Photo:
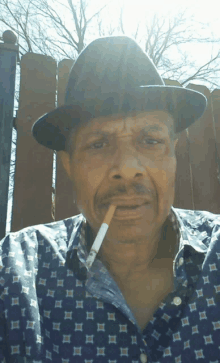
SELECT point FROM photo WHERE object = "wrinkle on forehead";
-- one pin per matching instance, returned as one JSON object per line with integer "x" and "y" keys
{"x": 148, "y": 127}
{"x": 151, "y": 121}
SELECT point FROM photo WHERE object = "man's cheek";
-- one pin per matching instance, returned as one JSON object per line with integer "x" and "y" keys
{"x": 94, "y": 176}
{"x": 87, "y": 187}
{"x": 168, "y": 169}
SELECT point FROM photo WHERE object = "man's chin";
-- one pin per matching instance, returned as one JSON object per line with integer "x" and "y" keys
{"x": 129, "y": 236}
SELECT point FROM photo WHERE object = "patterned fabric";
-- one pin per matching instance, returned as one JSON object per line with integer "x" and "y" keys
{"x": 53, "y": 310}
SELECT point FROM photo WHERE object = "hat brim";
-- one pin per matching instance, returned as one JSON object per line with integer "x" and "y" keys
{"x": 185, "y": 105}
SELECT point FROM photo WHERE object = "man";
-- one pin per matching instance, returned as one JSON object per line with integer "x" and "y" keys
{"x": 152, "y": 293}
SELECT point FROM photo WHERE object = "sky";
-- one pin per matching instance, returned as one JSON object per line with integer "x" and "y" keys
{"x": 140, "y": 8}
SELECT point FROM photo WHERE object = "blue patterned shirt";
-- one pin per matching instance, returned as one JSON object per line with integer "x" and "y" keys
{"x": 53, "y": 310}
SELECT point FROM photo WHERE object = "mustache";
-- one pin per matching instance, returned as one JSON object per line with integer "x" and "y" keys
{"x": 125, "y": 190}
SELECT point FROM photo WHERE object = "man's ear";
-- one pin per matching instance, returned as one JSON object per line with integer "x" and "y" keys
{"x": 65, "y": 159}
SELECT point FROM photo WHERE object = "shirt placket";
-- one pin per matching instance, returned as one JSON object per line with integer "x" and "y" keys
{"x": 100, "y": 284}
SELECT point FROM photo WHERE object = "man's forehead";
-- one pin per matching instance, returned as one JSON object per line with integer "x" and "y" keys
{"x": 152, "y": 121}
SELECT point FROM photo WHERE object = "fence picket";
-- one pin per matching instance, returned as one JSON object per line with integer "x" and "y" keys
{"x": 65, "y": 196}
{"x": 33, "y": 175}
{"x": 202, "y": 153}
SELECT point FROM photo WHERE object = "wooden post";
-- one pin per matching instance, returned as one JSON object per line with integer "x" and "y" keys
{"x": 206, "y": 187}
{"x": 183, "y": 186}
{"x": 65, "y": 197}
{"x": 8, "y": 60}
{"x": 33, "y": 176}
{"x": 215, "y": 100}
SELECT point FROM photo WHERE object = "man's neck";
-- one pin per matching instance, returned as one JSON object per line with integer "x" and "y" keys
{"x": 129, "y": 262}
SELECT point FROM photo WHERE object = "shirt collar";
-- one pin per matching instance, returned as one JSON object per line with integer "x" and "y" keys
{"x": 189, "y": 229}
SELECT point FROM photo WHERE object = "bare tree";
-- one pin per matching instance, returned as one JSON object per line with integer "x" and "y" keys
{"x": 41, "y": 27}
{"x": 167, "y": 43}
{"x": 171, "y": 41}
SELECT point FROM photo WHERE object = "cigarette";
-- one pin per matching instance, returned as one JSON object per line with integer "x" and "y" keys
{"x": 100, "y": 236}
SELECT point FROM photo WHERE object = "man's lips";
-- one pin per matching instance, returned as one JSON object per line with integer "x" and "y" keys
{"x": 126, "y": 203}
{"x": 129, "y": 208}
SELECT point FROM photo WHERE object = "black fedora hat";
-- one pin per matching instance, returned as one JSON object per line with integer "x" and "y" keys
{"x": 113, "y": 75}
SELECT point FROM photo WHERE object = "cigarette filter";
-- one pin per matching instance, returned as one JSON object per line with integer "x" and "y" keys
{"x": 100, "y": 236}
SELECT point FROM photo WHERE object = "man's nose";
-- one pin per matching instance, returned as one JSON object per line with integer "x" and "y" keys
{"x": 127, "y": 165}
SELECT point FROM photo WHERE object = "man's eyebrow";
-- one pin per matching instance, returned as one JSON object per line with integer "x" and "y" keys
{"x": 154, "y": 127}
{"x": 97, "y": 133}
{"x": 147, "y": 128}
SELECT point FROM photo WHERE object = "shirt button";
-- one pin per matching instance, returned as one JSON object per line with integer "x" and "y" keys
{"x": 177, "y": 300}
{"x": 181, "y": 261}
{"x": 143, "y": 358}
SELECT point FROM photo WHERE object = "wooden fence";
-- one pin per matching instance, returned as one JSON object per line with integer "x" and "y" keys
{"x": 43, "y": 83}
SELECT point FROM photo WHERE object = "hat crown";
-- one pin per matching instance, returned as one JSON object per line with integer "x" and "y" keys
{"x": 114, "y": 75}
{"x": 110, "y": 65}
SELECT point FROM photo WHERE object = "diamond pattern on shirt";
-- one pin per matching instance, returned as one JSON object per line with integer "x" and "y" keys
{"x": 54, "y": 315}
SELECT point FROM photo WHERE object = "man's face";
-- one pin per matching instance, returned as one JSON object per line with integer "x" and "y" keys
{"x": 128, "y": 161}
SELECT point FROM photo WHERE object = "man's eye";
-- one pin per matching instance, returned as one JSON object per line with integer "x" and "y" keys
{"x": 148, "y": 141}
{"x": 98, "y": 145}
